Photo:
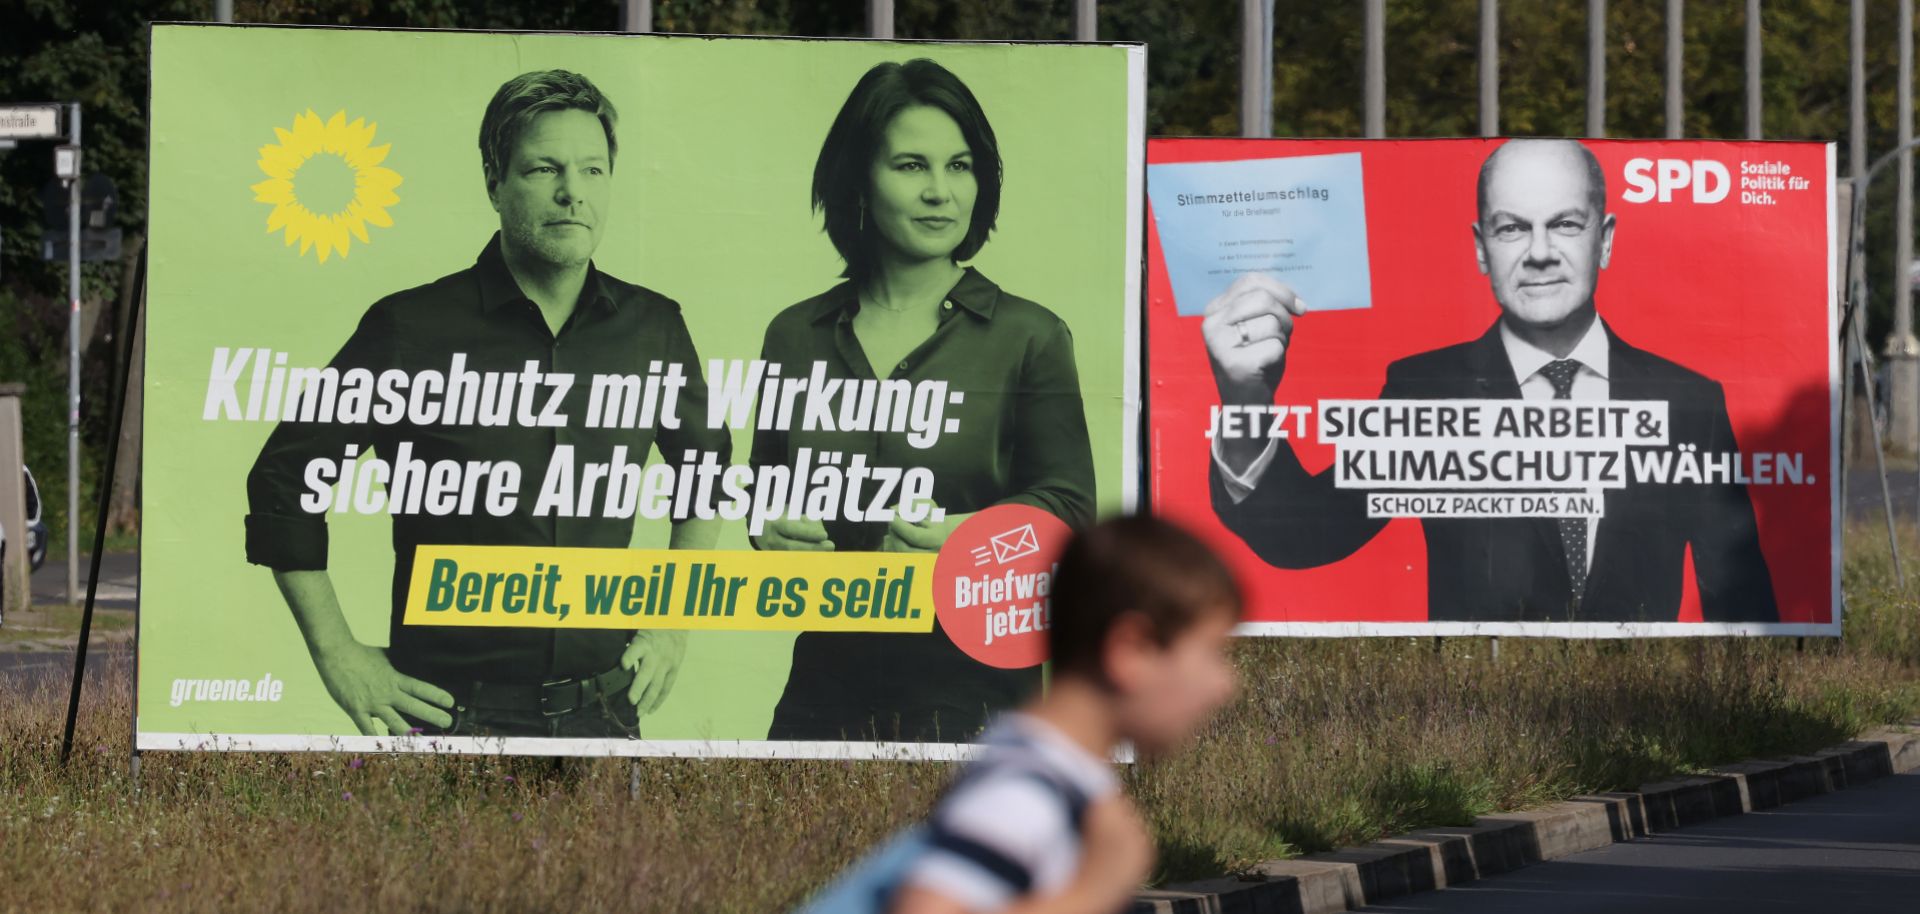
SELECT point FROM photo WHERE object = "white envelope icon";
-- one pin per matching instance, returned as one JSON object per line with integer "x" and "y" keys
{"x": 1013, "y": 544}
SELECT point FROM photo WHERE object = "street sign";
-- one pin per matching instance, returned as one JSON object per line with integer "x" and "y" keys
{"x": 29, "y": 122}
{"x": 66, "y": 162}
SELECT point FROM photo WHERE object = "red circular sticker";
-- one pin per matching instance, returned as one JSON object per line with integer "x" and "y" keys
{"x": 993, "y": 584}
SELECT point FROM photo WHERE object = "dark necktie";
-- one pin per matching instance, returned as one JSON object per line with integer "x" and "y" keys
{"x": 1573, "y": 530}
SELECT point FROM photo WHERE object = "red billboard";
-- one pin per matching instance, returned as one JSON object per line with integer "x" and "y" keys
{"x": 1502, "y": 387}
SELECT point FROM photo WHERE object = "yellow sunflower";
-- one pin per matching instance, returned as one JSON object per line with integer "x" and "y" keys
{"x": 326, "y": 183}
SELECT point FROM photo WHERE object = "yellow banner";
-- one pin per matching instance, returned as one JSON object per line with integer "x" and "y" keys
{"x": 551, "y": 587}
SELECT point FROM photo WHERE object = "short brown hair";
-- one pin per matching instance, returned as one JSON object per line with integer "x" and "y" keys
{"x": 1136, "y": 564}
{"x": 521, "y": 98}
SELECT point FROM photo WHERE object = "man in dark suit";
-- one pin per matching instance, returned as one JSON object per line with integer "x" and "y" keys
{"x": 1542, "y": 237}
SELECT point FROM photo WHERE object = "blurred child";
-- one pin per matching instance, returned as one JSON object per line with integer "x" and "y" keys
{"x": 1142, "y": 613}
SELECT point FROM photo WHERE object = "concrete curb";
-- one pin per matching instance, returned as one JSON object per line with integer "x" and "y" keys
{"x": 1435, "y": 858}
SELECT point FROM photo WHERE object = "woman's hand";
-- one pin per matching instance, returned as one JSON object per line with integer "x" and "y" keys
{"x": 795, "y": 534}
{"x": 926, "y": 536}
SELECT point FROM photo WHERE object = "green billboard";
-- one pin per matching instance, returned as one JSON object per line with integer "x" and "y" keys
{"x": 623, "y": 394}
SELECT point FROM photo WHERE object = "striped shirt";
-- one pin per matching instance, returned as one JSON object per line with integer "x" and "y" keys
{"x": 1009, "y": 828}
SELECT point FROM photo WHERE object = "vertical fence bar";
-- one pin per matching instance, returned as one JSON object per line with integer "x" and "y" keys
{"x": 1376, "y": 93}
{"x": 1086, "y": 20}
{"x": 1857, "y": 92}
{"x": 636, "y": 15}
{"x": 1489, "y": 67}
{"x": 1753, "y": 70}
{"x": 1596, "y": 67}
{"x": 1902, "y": 350}
{"x": 1266, "y": 67}
{"x": 1256, "y": 68}
{"x": 1676, "y": 69}
{"x": 880, "y": 18}
{"x": 1851, "y": 414}
{"x": 1905, "y": 395}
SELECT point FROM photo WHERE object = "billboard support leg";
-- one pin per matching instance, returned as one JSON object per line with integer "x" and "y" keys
{"x": 1879, "y": 458}
{"x": 1848, "y": 416}
{"x": 138, "y": 300}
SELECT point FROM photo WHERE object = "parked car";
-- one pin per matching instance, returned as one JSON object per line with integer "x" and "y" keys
{"x": 36, "y": 524}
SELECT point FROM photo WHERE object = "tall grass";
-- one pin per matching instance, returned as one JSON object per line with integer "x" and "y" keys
{"x": 1330, "y": 743}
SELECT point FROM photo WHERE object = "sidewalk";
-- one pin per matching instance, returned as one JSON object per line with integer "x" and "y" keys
{"x": 1853, "y": 850}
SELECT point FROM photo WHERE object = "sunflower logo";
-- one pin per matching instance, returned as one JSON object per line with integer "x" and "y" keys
{"x": 326, "y": 184}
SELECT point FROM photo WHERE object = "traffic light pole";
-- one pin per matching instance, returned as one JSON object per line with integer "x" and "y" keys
{"x": 73, "y": 363}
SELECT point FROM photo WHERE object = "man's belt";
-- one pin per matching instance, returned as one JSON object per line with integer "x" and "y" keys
{"x": 553, "y": 698}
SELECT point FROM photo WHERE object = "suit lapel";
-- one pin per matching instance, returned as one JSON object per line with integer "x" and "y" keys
{"x": 1628, "y": 376}
{"x": 1492, "y": 370}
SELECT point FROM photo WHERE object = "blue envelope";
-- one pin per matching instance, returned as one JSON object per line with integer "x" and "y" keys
{"x": 1300, "y": 219}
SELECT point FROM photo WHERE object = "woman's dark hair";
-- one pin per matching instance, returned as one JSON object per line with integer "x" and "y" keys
{"x": 844, "y": 170}
{"x": 1137, "y": 565}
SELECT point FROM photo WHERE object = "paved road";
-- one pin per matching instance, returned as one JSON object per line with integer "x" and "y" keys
{"x": 119, "y": 579}
{"x": 60, "y": 663}
{"x": 1863, "y": 494}
{"x": 1856, "y": 850}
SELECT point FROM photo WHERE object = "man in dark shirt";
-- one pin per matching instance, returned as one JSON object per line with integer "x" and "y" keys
{"x": 533, "y": 298}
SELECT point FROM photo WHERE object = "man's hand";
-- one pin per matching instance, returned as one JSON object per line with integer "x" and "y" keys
{"x": 795, "y": 534}
{"x": 1246, "y": 329}
{"x": 654, "y": 656}
{"x": 370, "y": 690}
{"x": 925, "y": 536}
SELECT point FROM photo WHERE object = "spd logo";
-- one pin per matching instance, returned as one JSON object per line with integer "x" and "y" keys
{"x": 1660, "y": 179}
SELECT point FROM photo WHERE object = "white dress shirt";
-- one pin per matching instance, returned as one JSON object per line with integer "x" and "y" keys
{"x": 1591, "y": 382}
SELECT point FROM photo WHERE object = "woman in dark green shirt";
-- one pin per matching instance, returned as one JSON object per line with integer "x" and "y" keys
{"x": 908, "y": 182}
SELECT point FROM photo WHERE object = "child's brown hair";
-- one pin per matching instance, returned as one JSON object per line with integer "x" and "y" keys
{"x": 1134, "y": 564}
